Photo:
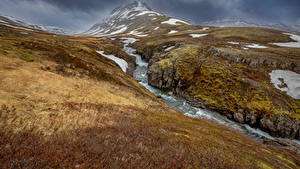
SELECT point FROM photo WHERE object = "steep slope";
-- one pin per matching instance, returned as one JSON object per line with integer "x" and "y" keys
{"x": 135, "y": 19}
{"x": 16, "y": 23}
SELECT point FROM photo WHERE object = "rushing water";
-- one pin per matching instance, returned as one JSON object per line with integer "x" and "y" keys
{"x": 140, "y": 74}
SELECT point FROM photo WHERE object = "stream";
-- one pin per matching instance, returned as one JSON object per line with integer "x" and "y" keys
{"x": 140, "y": 74}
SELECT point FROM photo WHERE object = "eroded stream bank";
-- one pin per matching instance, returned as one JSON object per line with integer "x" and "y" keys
{"x": 140, "y": 74}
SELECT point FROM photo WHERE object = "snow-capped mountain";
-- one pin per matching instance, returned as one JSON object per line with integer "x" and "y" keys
{"x": 238, "y": 22}
{"x": 131, "y": 19}
{"x": 53, "y": 29}
{"x": 16, "y": 23}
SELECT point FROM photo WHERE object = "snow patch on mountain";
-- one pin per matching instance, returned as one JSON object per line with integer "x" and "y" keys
{"x": 256, "y": 46}
{"x": 172, "y": 31}
{"x": 122, "y": 30}
{"x": 16, "y": 27}
{"x": 205, "y": 28}
{"x": 198, "y": 35}
{"x": 150, "y": 13}
{"x": 173, "y": 21}
{"x": 290, "y": 44}
{"x": 136, "y": 33}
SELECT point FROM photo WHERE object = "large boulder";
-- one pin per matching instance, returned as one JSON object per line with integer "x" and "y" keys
{"x": 281, "y": 126}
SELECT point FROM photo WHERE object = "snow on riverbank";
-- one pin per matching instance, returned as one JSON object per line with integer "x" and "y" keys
{"x": 256, "y": 46}
{"x": 122, "y": 63}
{"x": 286, "y": 81}
{"x": 169, "y": 48}
{"x": 198, "y": 35}
{"x": 129, "y": 40}
{"x": 290, "y": 44}
{"x": 234, "y": 43}
{"x": 156, "y": 28}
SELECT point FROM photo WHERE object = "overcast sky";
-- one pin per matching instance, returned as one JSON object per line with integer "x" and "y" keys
{"x": 82, "y": 14}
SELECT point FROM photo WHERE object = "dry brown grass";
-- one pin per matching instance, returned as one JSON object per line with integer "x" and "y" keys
{"x": 61, "y": 118}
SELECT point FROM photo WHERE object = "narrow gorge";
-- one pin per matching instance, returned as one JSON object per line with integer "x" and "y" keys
{"x": 165, "y": 85}
{"x": 167, "y": 77}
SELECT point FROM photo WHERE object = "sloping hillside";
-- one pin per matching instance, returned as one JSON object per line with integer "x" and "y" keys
{"x": 65, "y": 106}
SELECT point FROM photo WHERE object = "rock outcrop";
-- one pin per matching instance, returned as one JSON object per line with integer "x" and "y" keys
{"x": 168, "y": 78}
{"x": 258, "y": 61}
{"x": 284, "y": 143}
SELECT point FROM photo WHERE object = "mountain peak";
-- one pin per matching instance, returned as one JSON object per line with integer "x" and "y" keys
{"x": 136, "y": 6}
{"x": 139, "y": 6}
{"x": 125, "y": 11}
{"x": 126, "y": 19}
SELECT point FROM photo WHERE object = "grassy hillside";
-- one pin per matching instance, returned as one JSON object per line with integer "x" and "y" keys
{"x": 65, "y": 106}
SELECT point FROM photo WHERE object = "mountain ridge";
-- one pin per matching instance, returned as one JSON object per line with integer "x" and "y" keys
{"x": 121, "y": 13}
{"x": 21, "y": 24}
{"x": 239, "y": 22}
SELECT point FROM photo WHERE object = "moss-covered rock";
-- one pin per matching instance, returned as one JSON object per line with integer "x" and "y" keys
{"x": 227, "y": 80}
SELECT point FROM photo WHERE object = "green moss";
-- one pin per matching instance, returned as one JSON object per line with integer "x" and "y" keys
{"x": 27, "y": 58}
{"x": 264, "y": 165}
{"x": 166, "y": 63}
{"x": 222, "y": 86}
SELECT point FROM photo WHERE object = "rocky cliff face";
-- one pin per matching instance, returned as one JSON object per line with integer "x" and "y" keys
{"x": 167, "y": 71}
{"x": 258, "y": 61}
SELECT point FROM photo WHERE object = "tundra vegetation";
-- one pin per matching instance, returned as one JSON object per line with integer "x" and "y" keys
{"x": 220, "y": 71}
{"x": 65, "y": 106}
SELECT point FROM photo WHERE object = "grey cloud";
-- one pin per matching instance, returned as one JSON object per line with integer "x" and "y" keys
{"x": 81, "y": 14}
